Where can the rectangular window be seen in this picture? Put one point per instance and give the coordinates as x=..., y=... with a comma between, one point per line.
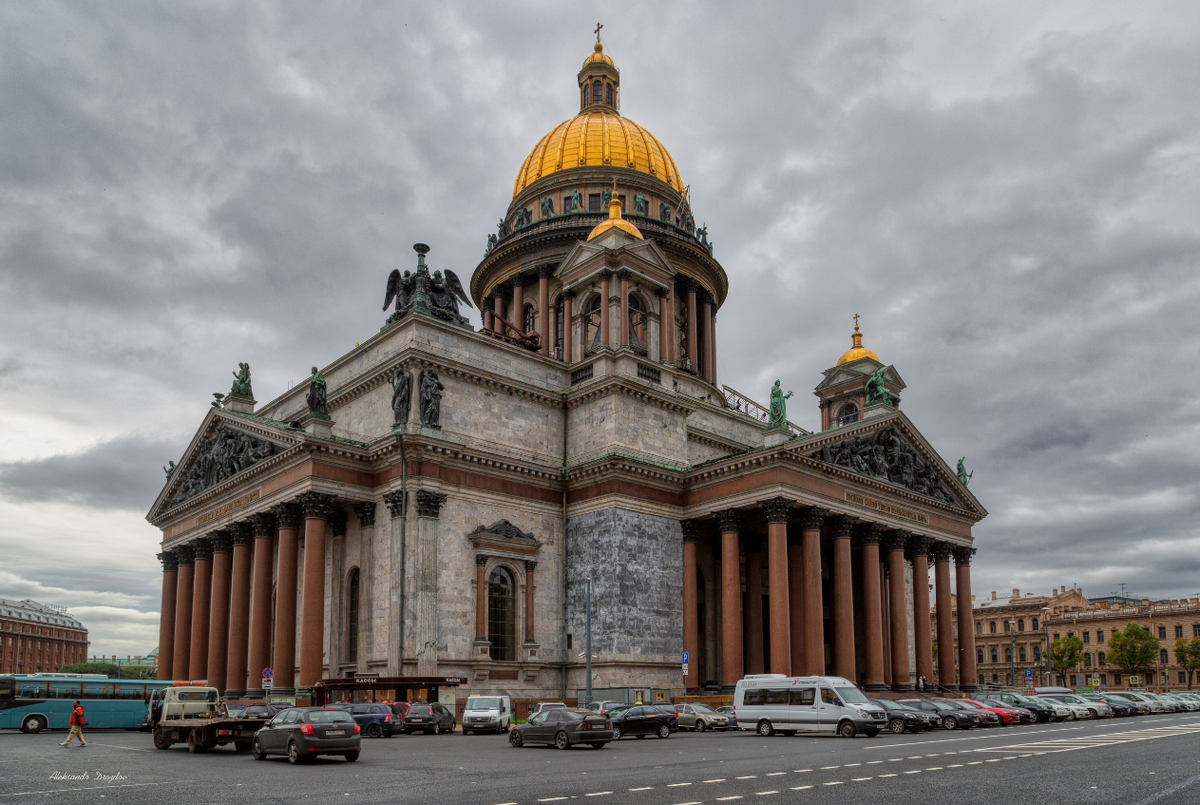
x=1196, y=630
x=754, y=698
x=1056, y=635
x=1179, y=631
x=1035, y=624
x=1021, y=625
x=1183, y=676
x=1100, y=658
x=979, y=627
x=1162, y=633
x=1087, y=660
x=1104, y=679
x=1116, y=679
x=779, y=697
x=568, y=640
x=1162, y=656
x=1087, y=637
x=992, y=627
x=803, y=697
x=1099, y=635
x=594, y=202
x=1007, y=627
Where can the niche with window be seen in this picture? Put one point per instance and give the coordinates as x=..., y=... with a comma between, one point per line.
x=637, y=322
x=353, y=598
x=1021, y=625
x=1021, y=655
x=529, y=320
x=560, y=329
x=995, y=656
x=979, y=656
x=591, y=323
x=847, y=413
x=502, y=614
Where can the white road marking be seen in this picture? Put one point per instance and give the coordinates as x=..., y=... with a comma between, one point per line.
x=959, y=740
x=934, y=768
x=643, y=788
x=870, y=762
x=676, y=785
x=598, y=794
x=823, y=768
x=551, y=799
x=801, y=787
x=801, y=771
x=777, y=774
x=889, y=775
x=914, y=771
x=726, y=799
x=955, y=766
x=848, y=765
x=118, y=746
x=835, y=782
x=764, y=793
x=747, y=777
x=1099, y=740
x=90, y=788
x=861, y=779
x=720, y=780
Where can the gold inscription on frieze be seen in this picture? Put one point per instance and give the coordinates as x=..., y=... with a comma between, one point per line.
x=228, y=507
x=887, y=508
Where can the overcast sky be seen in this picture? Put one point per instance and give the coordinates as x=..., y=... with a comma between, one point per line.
x=1007, y=193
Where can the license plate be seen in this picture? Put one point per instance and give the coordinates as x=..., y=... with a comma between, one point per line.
x=416, y=720
x=334, y=733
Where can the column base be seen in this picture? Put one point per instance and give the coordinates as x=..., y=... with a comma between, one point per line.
x=968, y=688
x=233, y=694
x=282, y=692
x=876, y=687
x=257, y=694
x=950, y=686
x=898, y=688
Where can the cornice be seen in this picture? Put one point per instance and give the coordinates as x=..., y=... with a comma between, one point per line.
x=642, y=391
x=713, y=440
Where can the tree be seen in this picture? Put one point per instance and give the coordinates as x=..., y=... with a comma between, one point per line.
x=1133, y=649
x=1187, y=654
x=109, y=669
x=1065, y=654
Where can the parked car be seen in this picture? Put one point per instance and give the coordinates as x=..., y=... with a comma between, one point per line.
x=1120, y=707
x=1169, y=704
x=375, y=720
x=398, y=710
x=303, y=733
x=950, y=716
x=487, y=713
x=770, y=703
x=235, y=710
x=603, y=706
x=1188, y=704
x=642, y=720
x=540, y=706
x=428, y=718
x=903, y=718
x=261, y=711
x=1079, y=709
x=1004, y=715
x=1095, y=709
x=700, y=717
x=563, y=728
x=1041, y=711
x=727, y=708
x=1146, y=705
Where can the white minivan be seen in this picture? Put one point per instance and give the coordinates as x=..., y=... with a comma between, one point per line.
x=771, y=703
x=487, y=713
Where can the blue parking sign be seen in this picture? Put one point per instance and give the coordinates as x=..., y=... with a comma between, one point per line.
x=685, y=657
x=1028, y=674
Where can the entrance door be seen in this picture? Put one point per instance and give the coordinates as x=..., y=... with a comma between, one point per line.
x=829, y=710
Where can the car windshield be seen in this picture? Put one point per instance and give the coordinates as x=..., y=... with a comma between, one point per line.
x=890, y=705
x=852, y=695
x=328, y=716
x=945, y=704
x=419, y=710
x=970, y=706
x=1073, y=700
x=703, y=708
x=483, y=703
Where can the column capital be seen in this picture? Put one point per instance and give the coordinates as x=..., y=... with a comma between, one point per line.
x=396, y=502
x=691, y=286
x=811, y=518
x=962, y=556
x=624, y=274
x=365, y=512
x=222, y=540
x=705, y=298
x=518, y=281
x=337, y=522
x=203, y=548
x=941, y=551
x=169, y=561
x=315, y=504
x=843, y=526
x=429, y=504
x=530, y=565
x=184, y=555
x=870, y=533
x=918, y=545
x=777, y=510
x=662, y=293
x=241, y=533
x=895, y=539
x=690, y=529
x=264, y=524
x=545, y=272
x=287, y=515
x=729, y=519
x=605, y=274
x=481, y=559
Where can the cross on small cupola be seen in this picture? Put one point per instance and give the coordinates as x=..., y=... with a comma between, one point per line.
x=599, y=80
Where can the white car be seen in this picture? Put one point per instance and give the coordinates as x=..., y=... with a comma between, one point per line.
x=1079, y=711
x=1060, y=710
x=1190, y=705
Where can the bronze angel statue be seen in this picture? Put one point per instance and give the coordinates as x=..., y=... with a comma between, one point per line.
x=436, y=295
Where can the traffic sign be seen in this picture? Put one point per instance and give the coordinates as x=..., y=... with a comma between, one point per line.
x=685, y=670
x=685, y=658
x=1134, y=679
x=267, y=683
x=1029, y=673
x=268, y=673
x=1095, y=682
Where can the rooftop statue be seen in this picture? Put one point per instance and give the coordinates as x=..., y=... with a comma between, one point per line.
x=431, y=399
x=401, y=398
x=777, y=416
x=170, y=468
x=963, y=475
x=437, y=295
x=241, y=382
x=875, y=390
x=315, y=398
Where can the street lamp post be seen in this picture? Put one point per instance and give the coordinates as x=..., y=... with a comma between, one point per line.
x=1012, y=653
x=1049, y=662
x=588, y=642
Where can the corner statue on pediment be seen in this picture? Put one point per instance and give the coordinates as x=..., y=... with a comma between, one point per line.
x=875, y=390
x=963, y=475
x=777, y=416
x=437, y=294
x=431, y=399
x=241, y=383
x=317, y=403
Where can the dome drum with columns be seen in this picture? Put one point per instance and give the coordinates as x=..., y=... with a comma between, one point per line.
x=433, y=503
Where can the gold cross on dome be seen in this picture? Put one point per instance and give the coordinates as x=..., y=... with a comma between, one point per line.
x=597, y=31
x=856, y=322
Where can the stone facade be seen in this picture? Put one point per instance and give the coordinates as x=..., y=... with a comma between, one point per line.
x=38, y=639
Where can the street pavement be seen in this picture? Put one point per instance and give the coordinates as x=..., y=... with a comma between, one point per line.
x=1130, y=761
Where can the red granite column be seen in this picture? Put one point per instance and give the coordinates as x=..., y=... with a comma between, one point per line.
x=945, y=608
x=623, y=312
x=709, y=361
x=218, y=621
x=239, y=612
x=543, y=318
x=872, y=607
x=691, y=626
x=166, y=615
x=498, y=310
x=181, y=662
x=922, y=636
x=259, y=656
x=843, y=601
x=518, y=304
x=605, y=309
x=693, y=333
x=284, y=660
x=530, y=567
x=731, y=598
x=312, y=615
x=777, y=511
x=489, y=318
x=814, y=614
x=966, y=621
x=664, y=325
x=898, y=611
x=481, y=596
x=201, y=601
x=568, y=336
x=755, y=663
x=796, y=601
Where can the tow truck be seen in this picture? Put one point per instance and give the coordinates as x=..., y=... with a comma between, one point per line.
x=193, y=713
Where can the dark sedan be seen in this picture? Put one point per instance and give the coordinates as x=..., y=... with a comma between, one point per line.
x=375, y=720
x=1120, y=707
x=428, y=718
x=563, y=729
x=642, y=720
x=903, y=718
x=950, y=716
x=262, y=711
x=1042, y=712
x=302, y=733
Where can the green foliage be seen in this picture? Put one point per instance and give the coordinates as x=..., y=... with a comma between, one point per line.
x=109, y=669
x=1133, y=649
x=1065, y=653
x=1187, y=654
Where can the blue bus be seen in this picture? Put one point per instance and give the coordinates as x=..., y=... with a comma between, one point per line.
x=43, y=701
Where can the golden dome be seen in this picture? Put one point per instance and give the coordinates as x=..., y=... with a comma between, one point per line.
x=598, y=137
x=858, y=350
x=615, y=221
x=598, y=56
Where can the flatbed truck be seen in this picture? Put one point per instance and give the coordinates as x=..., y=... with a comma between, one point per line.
x=195, y=715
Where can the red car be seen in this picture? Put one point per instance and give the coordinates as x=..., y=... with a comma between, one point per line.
x=1007, y=715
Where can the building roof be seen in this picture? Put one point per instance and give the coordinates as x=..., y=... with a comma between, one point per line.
x=33, y=612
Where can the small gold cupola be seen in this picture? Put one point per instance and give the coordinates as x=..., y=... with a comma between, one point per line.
x=615, y=221
x=599, y=82
x=857, y=350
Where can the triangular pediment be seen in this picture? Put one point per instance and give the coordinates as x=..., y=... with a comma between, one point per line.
x=505, y=537
x=857, y=372
x=226, y=445
x=891, y=450
x=643, y=257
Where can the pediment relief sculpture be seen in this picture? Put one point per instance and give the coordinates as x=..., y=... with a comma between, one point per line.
x=886, y=456
x=216, y=459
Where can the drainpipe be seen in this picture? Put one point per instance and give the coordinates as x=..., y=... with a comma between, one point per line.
x=563, y=636
x=403, y=551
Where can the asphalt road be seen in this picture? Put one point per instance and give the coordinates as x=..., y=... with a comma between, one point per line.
x=1137, y=761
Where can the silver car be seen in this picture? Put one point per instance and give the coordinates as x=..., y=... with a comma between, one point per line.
x=700, y=717
x=1079, y=709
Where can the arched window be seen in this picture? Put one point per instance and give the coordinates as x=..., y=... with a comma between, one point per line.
x=1100, y=658
x=528, y=320
x=978, y=627
x=595, y=92
x=637, y=322
x=1021, y=625
x=1087, y=660
x=352, y=606
x=992, y=626
x=502, y=614
x=608, y=94
x=591, y=323
x=559, y=329
x=1021, y=654
x=1037, y=653
x=995, y=656
x=848, y=414
x=1008, y=655
x=979, y=656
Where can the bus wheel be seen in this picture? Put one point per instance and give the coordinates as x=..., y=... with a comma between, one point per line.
x=161, y=741
x=33, y=725
x=847, y=729
x=765, y=729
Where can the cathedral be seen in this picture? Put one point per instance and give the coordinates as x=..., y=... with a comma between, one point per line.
x=440, y=501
